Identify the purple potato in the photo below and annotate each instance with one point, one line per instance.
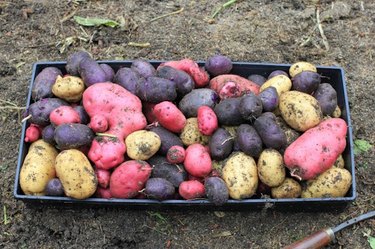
(269, 131)
(159, 189)
(48, 134)
(167, 138)
(73, 136)
(72, 63)
(84, 117)
(41, 110)
(54, 188)
(327, 98)
(257, 79)
(42, 87)
(184, 82)
(249, 141)
(216, 190)
(190, 103)
(91, 72)
(220, 144)
(143, 67)
(109, 72)
(156, 89)
(218, 64)
(269, 98)
(127, 78)
(174, 173)
(277, 72)
(227, 112)
(250, 107)
(306, 82)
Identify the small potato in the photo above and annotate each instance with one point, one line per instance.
(339, 163)
(218, 64)
(141, 145)
(334, 182)
(300, 111)
(271, 170)
(42, 86)
(290, 188)
(249, 140)
(190, 133)
(159, 189)
(127, 78)
(54, 188)
(269, 99)
(76, 174)
(337, 112)
(69, 88)
(269, 131)
(72, 63)
(326, 96)
(155, 90)
(161, 168)
(73, 136)
(228, 112)
(143, 67)
(38, 168)
(216, 190)
(241, 176)
(306, 82)
(190, 103)
(168, 139)
(301, 66)
(221, 144)
(257, 79)
(41, 110)
(281, 82)
(277, 72)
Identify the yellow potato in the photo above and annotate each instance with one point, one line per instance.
(76, 174)
(281, 82)
(69, 88)
(38, 168)
(290, 188)
(191, 135)
(339, 163)
(301, 66)
(271, 169)
(141, 145)
(241, 176)
(300, 111)
(335, 182)
(337, 112)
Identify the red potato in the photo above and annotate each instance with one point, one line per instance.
(316, 150)
(33, 133)
(103, 177)
(207, 120)
(176, 154)
(169, 116)
(64, 115)
(122, 110)
(129, 178)
(197, 161)
(103, 193)
(191, 189)
(199, 74)
(230, 86)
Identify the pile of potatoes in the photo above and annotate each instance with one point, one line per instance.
(181, 131)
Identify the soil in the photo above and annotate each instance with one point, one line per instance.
(254, 31)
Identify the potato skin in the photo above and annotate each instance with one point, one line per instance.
(190, 103)
(91, 72)
(269, 131)
(174, 173)
(73, 136)
(156, 89)
(69, 88)
(271, 170)
(249, 140)
(128, 79)
(241, 176)
(300, 111)
(184, 82)
(38, 168)
(221, 144)
(159, 189)
(43, 83)
(168, 139)
(76, 174)
(301, 66)
(216, 190)
(250, 107)
(72, 63)
(327, 98)
(306, 82)
(281, 82)
(190, 133)
(141, 145)
(218, 64)
(143, 67)
(227, 112)
(290, 188)
(335, 182)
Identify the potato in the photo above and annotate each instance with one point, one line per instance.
(228, 112)
(42, 86)
(269, 98)
(250, 107)
(248, 140)
(241, 176)
(281, 82)
(290, 134)
(269, 131)
(277, 72)
(143, 67)
(337, 112)
(306, 82)
(221, 144)
(73, 136)
(257, 79)
(335, 182)
(76, 174)
(159, 189)
(174, 173)
(300, 111)
(216, 190)
(290, 188)
(156, 89)
(327, 98)
(190, 103)
(198, 161)
(141, 145)
(109, 72)
(190, 133)
(41, 110)
(339, 163)
(301, 66)
(168, 139)
(271, 170)
(184, 82)
(127, 78)
(38, 168)
(191, 189)
(48, 134)
(218, 64)
(54, 188)
(91, 72)
(72, 63)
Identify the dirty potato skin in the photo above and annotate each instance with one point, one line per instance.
(142, 145)
(290, 188)
(76, 174)
(190, 133)
(271, 170)
(300, 111)
(38, 168)
(241, 176)
(335, 182)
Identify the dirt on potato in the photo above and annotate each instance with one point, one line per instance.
(254, 31)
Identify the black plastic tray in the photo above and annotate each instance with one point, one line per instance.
(333, 75)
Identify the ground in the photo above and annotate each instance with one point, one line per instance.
(254, 31)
